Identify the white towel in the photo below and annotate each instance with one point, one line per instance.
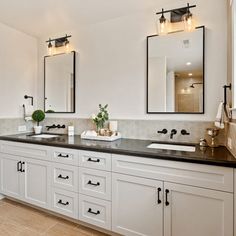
(28, 111)
(219, 121)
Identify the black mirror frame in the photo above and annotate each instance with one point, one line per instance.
(74, 80)
(194, 113)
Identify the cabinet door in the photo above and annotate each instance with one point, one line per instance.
(135, 206)
(36, 182)
(196, 211)
(10, 176)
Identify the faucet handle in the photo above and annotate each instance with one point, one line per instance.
(164, 131)
(184, 132)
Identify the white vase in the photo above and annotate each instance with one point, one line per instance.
(38, 129)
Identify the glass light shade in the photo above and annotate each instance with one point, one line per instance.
(163, 27)
(189, 22)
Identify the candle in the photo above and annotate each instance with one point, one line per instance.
(113, 126)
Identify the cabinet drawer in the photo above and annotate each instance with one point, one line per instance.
(65, 156)
(95, 183)
(65, 202)
(95, 211)
(65, 177)
(95, 160)
(26, 150)
(205, 176)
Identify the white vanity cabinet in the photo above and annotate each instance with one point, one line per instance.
(131, 196)
(25, 179)
(182, 209)
(197, 211)
(137, 206)
(11, 184)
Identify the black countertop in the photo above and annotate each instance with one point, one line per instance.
(219, 156)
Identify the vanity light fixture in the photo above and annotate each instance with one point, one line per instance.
(189, 63)
(176, 15)
(50, 47)
(163, 24)
(58, 42)
(190, 74)
(189, 24)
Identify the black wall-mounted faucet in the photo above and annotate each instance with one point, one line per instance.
(164, 131)
(173, 132)
(55, 126)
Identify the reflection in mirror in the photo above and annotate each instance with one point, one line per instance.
(59, 82)
(175, 73)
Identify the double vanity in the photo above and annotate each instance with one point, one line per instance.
(122, 187)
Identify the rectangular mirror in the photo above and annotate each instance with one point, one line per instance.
(59, 83)
(175, 72)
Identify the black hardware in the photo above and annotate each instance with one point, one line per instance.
(18, 166)
(91, 183)
(59, 41)
(92, 212)
(177, 9)
(225, 92)
(173, 132)
(91, 160)
(63, 203)
(167, 202)
(32, 99)
(158, 196)
(21, 169)
(184, 132)
(64, 156)
(164, 131)
(62, 177)
(55, 126)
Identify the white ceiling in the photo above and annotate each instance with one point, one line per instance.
(42, 17)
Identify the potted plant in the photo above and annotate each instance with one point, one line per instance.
(38, 116)
(100, 119)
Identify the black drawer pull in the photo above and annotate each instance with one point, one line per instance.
(21, 167)
(167, 202)
(92, 160)
(62, 177)
(63, 156)
(18, 166)
(91, 183)
(92, 212)
(158, 196)
(63, 203)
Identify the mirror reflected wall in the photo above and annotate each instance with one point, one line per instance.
(59, 83)
(175, 72)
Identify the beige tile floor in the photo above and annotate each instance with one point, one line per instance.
(19, 220)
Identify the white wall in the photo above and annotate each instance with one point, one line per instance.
(112, 62)
(18, 70)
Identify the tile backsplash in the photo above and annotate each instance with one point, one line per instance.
(135, 129)
(10, 125)
(144, 129)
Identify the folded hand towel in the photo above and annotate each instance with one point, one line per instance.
(219, 121)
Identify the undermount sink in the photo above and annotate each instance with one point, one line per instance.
(44, 136)
(174, 147)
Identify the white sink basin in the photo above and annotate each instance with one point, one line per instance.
(44, 136)
(174, 147)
